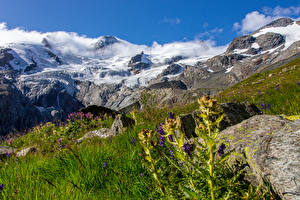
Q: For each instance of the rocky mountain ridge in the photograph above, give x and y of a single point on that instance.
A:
(54, 83)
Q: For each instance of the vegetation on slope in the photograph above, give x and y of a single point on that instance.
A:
(112, 168)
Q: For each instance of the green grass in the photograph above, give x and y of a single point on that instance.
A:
(78, 172)
(280, 88)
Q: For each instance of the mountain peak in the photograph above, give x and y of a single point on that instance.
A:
(105, 41)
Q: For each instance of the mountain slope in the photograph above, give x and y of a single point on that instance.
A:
(58, 73)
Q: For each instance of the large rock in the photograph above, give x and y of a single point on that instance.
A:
(270, 146)
(101, 133)
(99, 111)
(4, 150)
(25, 151)
(234, 113)
(121, 122)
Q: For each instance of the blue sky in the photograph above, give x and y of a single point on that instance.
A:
(145, 21)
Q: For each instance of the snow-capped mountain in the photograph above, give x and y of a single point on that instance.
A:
(57, 73)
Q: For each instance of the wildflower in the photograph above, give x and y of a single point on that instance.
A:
(89, 115)
(258, 92)
(298, 83)
(269, 106)
(7, 154)
(187, 148)
(171, 138)
(221, 149)
(262, 106)
(141, 174)
(172, 115)
(161, 141)
(132, 140)
(104, 165)
(1, 187)
(171, 152)
(277, 87)
(58, 140)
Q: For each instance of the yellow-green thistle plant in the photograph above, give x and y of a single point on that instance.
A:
(134, 116)
(148, 142)
(208, 130)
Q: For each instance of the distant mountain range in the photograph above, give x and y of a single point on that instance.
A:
(47, 80)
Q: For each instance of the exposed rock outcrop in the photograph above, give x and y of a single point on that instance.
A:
(269, 145)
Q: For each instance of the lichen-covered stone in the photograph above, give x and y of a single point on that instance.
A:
(270, 145)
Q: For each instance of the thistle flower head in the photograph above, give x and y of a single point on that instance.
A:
(146, 138)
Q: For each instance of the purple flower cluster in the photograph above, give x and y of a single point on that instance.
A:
(132, 140)
(161, 133)
(263, 106)
(277, 87)
(221, 149)
(1, 187)
(187, 149)
(79, 116)
(104, 165)
(172, 115)
(171, 152)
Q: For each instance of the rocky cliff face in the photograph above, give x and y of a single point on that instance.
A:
(49, 82)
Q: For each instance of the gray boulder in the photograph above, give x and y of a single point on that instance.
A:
(121, 122)
(4, 150)
(101, 133)
(25, 151)
(234, 113)
(270, 146)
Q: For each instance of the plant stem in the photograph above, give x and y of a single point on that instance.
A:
(157, 176)
(211, 165)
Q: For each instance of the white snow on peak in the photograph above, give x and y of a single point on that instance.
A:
(255, 45)
(290, 32)
(229, 69)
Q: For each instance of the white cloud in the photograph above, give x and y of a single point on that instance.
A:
(254, 20)
(279, 11)
(80, 45)
(172, 21)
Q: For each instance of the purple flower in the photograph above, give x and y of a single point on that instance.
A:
(1, 187)
(258, 92)
(132, 140)
(160, 130)
(187, 149)
(269, 106)
(298, 83)
(141, 174)
(172, 115)
(58, 140)
(171, 152)
(221, 149)
(262, 106)
(171, 138)
(277, 87)
(104, 165)
(7, 154)
(161, 141)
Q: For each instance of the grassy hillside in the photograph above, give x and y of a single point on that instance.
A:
(112, 168)
(275, 92)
